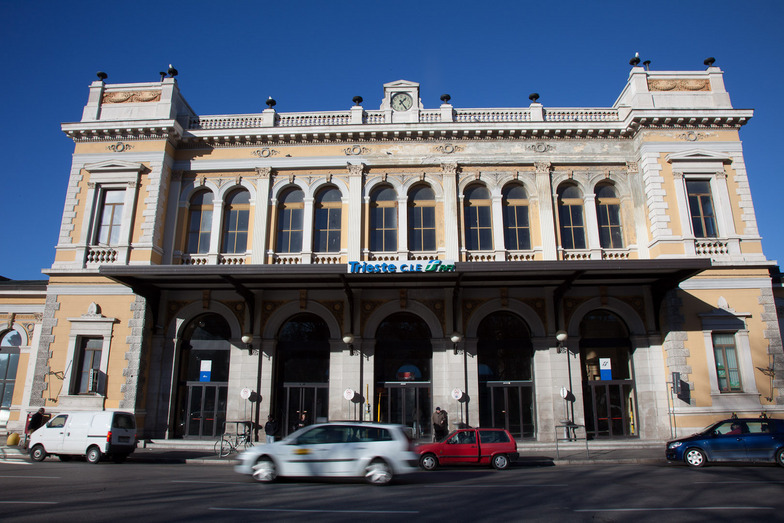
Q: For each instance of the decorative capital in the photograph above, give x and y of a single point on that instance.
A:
(356, 169)
(543, 167)
(450, 168)
(264, 172)
(632, 167)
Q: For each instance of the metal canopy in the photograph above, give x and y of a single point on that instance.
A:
(668, 272)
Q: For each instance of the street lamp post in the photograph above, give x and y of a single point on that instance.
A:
(561, 337)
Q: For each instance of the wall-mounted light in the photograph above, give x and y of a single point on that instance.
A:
(247, 339)
(348, 339)
(456, 338)
(561, 337)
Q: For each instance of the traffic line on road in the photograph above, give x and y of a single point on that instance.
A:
(315, 511)
(30, 502)
(212, 482)
(664, 509)
(33, 477)
(736, 482)
(532, 485)
(12, 461)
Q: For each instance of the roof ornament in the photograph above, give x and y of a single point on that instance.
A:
(634, 62)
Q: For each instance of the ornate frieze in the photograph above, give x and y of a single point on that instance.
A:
(540, 147)
(691, 136)
(356, 150)
(679, 85)
(448, 148)
(121, 97)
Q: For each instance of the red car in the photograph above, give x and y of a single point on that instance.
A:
(494, 447)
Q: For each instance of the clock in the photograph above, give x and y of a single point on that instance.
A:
(401, 101)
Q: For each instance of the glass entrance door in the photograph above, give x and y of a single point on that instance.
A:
(304, 404)
(610, 408)
(407, 403)
(511, 407)
(206, 410)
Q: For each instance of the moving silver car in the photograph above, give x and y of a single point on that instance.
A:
(378, 452)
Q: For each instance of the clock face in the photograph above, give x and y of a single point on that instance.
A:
(401, 101)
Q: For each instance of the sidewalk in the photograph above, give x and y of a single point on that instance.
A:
(531, 454)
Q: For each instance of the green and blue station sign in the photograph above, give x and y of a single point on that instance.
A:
(355, 267)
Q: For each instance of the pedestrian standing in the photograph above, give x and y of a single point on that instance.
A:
(35, 422)
(271, 429)
(439, 420)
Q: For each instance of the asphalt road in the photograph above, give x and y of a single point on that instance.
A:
(78, 491)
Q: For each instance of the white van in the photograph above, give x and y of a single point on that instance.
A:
(91, 434)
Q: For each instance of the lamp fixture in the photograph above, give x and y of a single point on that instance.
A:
(247, 339)
(561, 336)
(456, 338)
(348, 339)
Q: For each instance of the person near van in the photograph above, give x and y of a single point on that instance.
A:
(34, 423)
(271, 429)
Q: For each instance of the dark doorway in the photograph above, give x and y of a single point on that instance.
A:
(608, 376)
(505, 362)
(403, 359)
(302, 372)
(203, 378)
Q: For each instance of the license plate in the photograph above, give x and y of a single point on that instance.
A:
(124, 439)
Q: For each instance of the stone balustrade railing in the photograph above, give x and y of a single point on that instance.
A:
(340, 118)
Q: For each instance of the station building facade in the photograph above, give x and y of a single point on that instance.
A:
(517, 267)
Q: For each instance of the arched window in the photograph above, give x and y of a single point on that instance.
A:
(326, 232)
(10, 342)
(570, 216)
(608, 211)
(290, 210)
(235, 222)
(199, 223)
(422, 219)
(383, 219)
(517, 231)
(478, 221)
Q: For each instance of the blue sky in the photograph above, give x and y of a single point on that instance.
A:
(317, 55)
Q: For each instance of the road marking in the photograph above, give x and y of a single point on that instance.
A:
(15, 461)
(737, 482)
(32, 502)
(212, 482)
(316, 511)
(659, 509)
(497, 486)
(33, 477)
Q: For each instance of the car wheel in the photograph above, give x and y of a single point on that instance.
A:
(64, 457)
(378, 472)
(428, 462)
(695, 458)
(500, 462)
(93, 455)
(265, 471)
(38, 453)
(780, 457)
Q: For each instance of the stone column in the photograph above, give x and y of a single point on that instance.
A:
(544, 190)
(356, 174)
(261, 230)
(452, 216)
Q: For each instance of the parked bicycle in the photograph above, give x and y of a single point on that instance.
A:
(239, 440)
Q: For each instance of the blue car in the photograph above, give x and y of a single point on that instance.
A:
(744, 439)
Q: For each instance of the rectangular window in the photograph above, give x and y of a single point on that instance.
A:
(111, 217)
(479, 228)
(703, 218)
(517, 235)
(422, 231)
(609, 216)
(89, 365)
(8, 365)
(326, 237)
(727, 370)
(572, 228)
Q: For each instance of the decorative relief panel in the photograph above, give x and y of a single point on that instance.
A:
(692, 136)
(336, 308)
(265, 153)
(267, 309)
(437, 306)
(120, 97)
(355, 150)
(119, 147)
(448, 148)
(540, 147)
(469, 306)
(679, 85)
(366, 310)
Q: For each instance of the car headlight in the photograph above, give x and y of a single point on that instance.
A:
(674, 444)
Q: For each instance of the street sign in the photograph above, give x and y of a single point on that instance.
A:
(205, 371)
(605, 368)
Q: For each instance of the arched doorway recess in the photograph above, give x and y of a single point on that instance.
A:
(505, 364)
(302, 372)
(403, 361)
(203, 378)
(608, 376)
